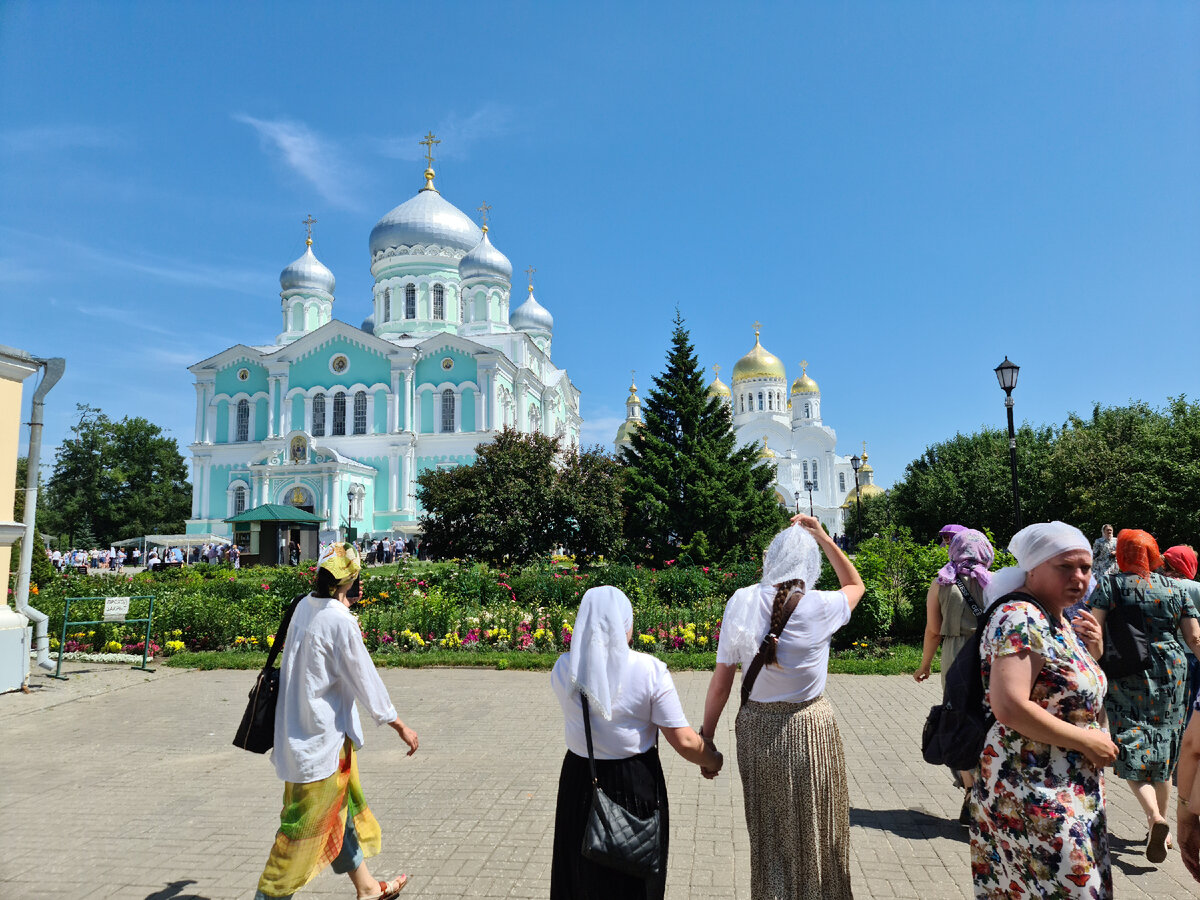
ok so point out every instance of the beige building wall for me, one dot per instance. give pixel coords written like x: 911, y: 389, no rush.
x: 15, y: 367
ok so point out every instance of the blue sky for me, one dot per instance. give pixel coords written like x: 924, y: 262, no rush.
x: 903, y: 193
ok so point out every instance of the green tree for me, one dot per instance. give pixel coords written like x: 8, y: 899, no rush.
x: 687, y: 477
x: 519, y: 499
x: 113, y: 480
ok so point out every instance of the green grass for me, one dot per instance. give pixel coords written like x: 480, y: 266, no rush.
x: 900, y: 659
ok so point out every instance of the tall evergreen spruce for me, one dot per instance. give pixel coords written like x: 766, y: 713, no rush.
x: 689, y: 487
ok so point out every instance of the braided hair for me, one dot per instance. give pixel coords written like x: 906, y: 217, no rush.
x: 783, y: 593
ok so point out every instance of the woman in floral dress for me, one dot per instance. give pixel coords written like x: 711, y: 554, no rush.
x: 1039, y: 826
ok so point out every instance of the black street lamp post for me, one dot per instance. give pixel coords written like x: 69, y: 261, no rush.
x: 1006, y: 374
x: 808, y: 486
x: 797, y: 502
x: 856, y: 464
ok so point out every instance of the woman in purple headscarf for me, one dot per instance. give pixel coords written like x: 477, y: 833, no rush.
x: 955, y: 598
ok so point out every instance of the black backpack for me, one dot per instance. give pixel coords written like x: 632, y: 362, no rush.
x: 956, y: 729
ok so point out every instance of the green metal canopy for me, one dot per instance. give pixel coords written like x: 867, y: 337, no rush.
x: 277, y: 512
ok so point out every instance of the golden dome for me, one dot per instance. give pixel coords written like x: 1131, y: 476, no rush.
x: 625, y: 432
x: 804, y: 384
x: 866, y: 466
x: 718, y: 388
x: 758, y: 363
x: 766, y: 452
x: 865, y: 491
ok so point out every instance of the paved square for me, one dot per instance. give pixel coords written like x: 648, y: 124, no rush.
x: 123, y: 784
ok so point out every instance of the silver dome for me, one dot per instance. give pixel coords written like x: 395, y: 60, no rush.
x: 368, y: 324
x: 531, y: 316
x: 307, y: 273
x: 425, y: 219
x: 485, y: 261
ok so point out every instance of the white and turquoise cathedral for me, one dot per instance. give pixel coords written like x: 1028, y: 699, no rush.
x: 341, y: 420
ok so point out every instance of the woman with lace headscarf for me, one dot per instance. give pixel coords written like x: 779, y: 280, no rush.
x: 1146, y: 709
x: 954, y: 596
x: 789, y: 749
x: 630, y: 699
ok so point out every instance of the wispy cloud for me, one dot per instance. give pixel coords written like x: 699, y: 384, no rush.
x: 50, y: 138
x: 125, y: 317
x: 14, y: 271
x: 457, y: 133
x: 314, y: 158
x: 600, y: 431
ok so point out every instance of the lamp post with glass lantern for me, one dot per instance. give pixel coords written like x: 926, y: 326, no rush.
x: 1006, y: 374
x: 797, y: 493
x: 856, y: 464
x: 808, y: 486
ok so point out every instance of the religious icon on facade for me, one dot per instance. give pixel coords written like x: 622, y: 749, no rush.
x: 299, y: 450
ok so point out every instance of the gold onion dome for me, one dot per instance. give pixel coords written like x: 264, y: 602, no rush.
x: 718, y: 388
x: 766, y: 452
x: 758, y: 363
x: 625, y: 432
x: 804, y: 384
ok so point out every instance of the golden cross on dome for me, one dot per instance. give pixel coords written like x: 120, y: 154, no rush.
x: 530, y: 272
x: 864, y: 449
x: 804, y: 367
x: 428, y: 143
x: 484, y: 209
x: 308, y: 224
x: 757, y: 325
x: 717, y: 369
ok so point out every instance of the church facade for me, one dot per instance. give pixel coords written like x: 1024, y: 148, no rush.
x: 341, y: 420
x: 791, y: 434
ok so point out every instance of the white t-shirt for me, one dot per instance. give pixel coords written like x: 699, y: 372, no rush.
x: 803, y: 651
x: 647, y: 700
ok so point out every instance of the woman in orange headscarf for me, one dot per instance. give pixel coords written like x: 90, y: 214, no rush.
x: 1146, y: 709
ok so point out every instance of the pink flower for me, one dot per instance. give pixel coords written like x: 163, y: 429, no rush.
x: 669, y: 562
x: 266, y: 587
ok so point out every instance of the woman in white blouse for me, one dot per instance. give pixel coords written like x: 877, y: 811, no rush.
x: 631, y: 699
x: 789, y: 750
x: 325, y: 669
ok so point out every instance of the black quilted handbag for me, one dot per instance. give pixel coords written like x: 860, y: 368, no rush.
x: 613, y: 836
x: 256, y: 732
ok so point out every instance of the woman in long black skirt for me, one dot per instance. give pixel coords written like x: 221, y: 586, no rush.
x: 631, y: 698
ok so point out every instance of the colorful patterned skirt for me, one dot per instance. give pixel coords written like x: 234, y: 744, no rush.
x: 793, y: 770
x: 312, y: 825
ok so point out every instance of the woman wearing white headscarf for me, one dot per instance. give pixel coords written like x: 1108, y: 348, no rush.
x: 631, y: 698
x: 1038, y: 820
x: 789, y: 749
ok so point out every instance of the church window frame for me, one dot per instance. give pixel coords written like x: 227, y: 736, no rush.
x: 410, y: 301
x: 243, y: 421
x: 841, y: 481
x: 239, y: 500
x: 386, y: 310
x: 741, y: 403
x: 771, y: 401
x: 808, y: 410
x: 448, y: 411
x: 360, y: 412
x: 439, y: 302
x: 760, y: 401
x: 339, y: 414
x: 804, y: 469
x: 318, y: 415
x: 816, y: 480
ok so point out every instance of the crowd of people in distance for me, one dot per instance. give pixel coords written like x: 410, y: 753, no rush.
x: 1035, y: 804
x: 112, y: 559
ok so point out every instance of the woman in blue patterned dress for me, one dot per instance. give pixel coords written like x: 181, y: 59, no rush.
x: 1039, y: 827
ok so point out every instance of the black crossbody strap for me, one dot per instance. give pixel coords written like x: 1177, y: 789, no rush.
x: 282, y: 632
x: 587, y: 730
x: 965, y: 590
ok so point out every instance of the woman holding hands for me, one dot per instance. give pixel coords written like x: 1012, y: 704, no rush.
x: 789, y: 749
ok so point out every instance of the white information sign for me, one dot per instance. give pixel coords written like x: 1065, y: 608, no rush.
x: 115, y: 609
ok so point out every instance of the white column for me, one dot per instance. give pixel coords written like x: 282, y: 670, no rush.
x: 370, y: 413
x: 285, y: 412
x: 394, y: 480
x: 271, y: 394
x: 197, y: 468
x: 205, y: 485
x: 251, y: 428
x: 329, y: 501
x: 416, y: 412
x: 329, y: 414
x: 210, y: 415
x: 458, y: 411
x: 410, y: 400
x: 308, y: 414
x: 393, y: 409
x: 199, y: 413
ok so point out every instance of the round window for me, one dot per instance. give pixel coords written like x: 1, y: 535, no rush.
x: 243, y: 374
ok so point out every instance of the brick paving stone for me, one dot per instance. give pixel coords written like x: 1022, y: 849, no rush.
x: 123, y: 784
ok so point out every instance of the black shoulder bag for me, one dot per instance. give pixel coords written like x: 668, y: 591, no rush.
x: 613, y: 836
x: 1126, y: 650
x: 257, y: 731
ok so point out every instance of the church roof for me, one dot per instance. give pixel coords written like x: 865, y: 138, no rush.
x: 425, y: 219
x: 758, y: 363
x: 531, y: 316
x: 485, y: 261
x: 276, y: 512
x: 307, y: 273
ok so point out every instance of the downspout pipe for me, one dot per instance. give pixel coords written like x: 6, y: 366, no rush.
x: 52, y: 371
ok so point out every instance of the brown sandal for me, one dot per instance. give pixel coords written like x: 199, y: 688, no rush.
x: 388, y: 890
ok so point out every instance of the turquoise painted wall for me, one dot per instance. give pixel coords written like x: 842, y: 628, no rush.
x: 227, y: 380
x: 297, y: 413
x: 260, y: 419
x: 218, y: 484
x: 426, y: 413
x: 468, y: 410
x: 430, y: 371
x: 366, y: 366
x: 222, y: 435
x: 380, y: 412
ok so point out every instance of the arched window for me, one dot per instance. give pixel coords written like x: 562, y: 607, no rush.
x: 243, y: 420
x: 741, y: 402
x: 410, y: 301
x: 360, y: 412
x: 760, y: 401
x: 535, y: 419
x: 462, y: 309
x: 447, y: 410
x: 439, y: 302
x: 816, y: 482
x: 770, y: 400
x: 339, y: 413
x: 808, y: 410
x: 804, y: 469
x: 239, y: 501
x: 318, y: 422
x: 387, y: 305
x: 841, y: 481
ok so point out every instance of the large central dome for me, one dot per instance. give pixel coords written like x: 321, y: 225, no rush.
x: 425, y: 219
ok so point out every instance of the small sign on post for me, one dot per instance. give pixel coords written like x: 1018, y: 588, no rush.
x: 115, y: 609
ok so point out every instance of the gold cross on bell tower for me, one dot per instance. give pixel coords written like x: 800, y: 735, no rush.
x: 308, y: 223
x: 428, y: 143
x: 530, y: 272
x: 804, y: 367
x: 717, y: 369
x: 484, y: 209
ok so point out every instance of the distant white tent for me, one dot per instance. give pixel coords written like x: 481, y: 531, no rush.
x: 185, y: 540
